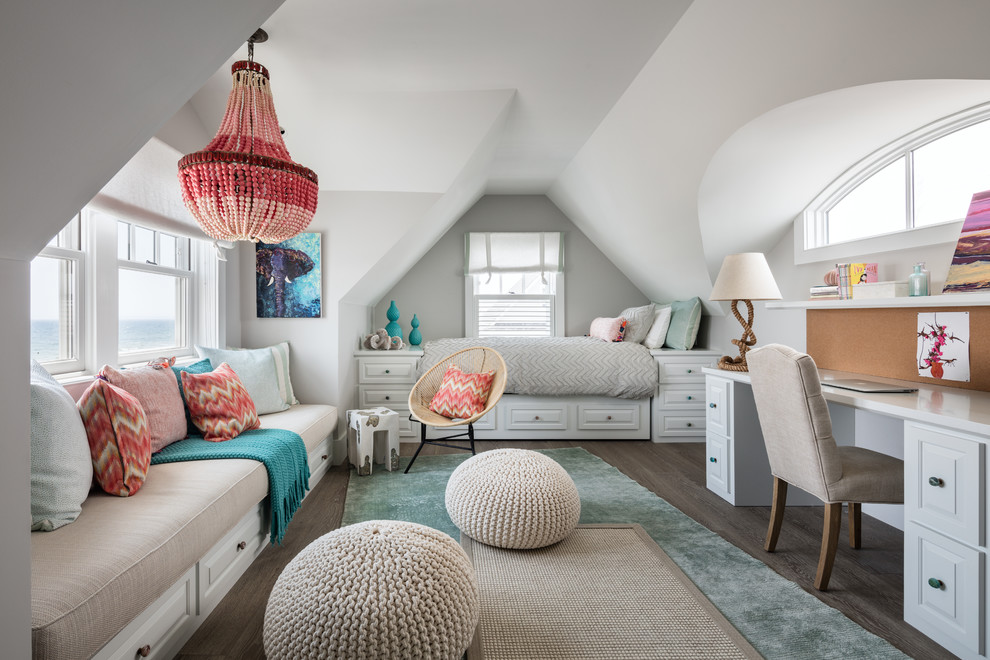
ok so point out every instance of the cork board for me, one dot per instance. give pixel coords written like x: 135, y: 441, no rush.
x: 884, y: 342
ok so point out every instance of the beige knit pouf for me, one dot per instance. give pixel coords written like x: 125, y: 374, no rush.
x: 513, y: 498
x: 377, y: 589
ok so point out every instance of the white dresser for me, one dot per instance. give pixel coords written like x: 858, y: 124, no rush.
x: 679, y: 405
x: 385, y: 379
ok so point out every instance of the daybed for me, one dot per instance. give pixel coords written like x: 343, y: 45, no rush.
x: 137, y: 575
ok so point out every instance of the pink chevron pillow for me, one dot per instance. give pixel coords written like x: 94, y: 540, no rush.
x: 462, y: 395
x: 119, y: 437
x: 158, y: 391
x: 219, y: 404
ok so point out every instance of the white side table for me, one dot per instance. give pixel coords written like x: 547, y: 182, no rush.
x: 373, y: 432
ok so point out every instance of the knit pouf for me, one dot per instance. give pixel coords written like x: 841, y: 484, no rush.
x: 513, y: 498
x: 377, y: 589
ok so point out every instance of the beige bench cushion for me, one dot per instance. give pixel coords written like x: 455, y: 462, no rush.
x: 90, y: 578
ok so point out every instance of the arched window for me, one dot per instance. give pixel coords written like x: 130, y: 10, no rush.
x: 926, y: 178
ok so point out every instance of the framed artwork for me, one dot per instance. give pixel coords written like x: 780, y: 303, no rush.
x: 970, y: 269
x: 289, y: 278
x: 943, y: 345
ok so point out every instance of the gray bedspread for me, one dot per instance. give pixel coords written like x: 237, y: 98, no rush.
x: 562, y: 366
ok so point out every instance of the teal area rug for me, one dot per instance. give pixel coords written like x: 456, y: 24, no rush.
x: 778, y: 618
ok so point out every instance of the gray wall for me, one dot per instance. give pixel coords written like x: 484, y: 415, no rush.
x: 433, y: 289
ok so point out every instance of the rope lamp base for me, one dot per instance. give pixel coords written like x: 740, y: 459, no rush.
x: 747, y: 341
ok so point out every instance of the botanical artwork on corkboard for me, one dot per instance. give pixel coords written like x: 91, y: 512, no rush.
x: 289, y: 278
x: 970, y: 269
x: 943, y: 345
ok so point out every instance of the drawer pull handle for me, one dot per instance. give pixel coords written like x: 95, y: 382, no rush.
x: 144, y: 651
x: 935, y: 583
x: 387, y: 371
x: 324, y: 457
x: 690, y: 371
x: 242, y: 545
x: 536, y: 418
x: 386, y: 397
x: 609, y: 417
x: 935, y: 481
x: 689, y: 397
x: 689, y: 424
x: 712, y: 460
x: 712, y: 405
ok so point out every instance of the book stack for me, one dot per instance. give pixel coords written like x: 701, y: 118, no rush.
x: 824, y: 292
x: 852, y: 274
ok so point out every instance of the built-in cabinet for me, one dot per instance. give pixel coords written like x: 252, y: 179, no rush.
x: 385, y: 378
x: 679, y: 404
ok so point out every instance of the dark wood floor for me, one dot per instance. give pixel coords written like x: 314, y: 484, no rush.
x: 866, y: 584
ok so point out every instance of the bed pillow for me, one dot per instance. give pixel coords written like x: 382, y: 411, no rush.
x: 638, y: 322
x: 609, y: 329
x: 280, y: 353
x: 256, y: 370
x: 119, y: 438
x: 202, y: 367
x: 61, y: 468
x: 462, y: 395
x: 155, y: 388
x: 658, y: 331
x: 219, y: 403
x: 685, y: 318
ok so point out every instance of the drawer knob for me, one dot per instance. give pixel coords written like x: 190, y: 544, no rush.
x: 689, y: 424
x: 712, y: 460
x: 935, y: 481
x: 386, y: 397
x: 324, y: 457
x: 536, y: 417
x: 387, y: 371
x: 689, y: 397
x: 712, y: 405
x: 690, y: 371
x: 241, y: 545
x: 935, y: 583
x: 144, y: 651
x: 608, y: 417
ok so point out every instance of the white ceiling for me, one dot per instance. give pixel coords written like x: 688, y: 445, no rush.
x: 393, y: 95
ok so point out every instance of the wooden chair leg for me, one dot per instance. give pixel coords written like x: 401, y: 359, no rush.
x: 855, y: 525
x: 776, y: 513
x: 830, y: 542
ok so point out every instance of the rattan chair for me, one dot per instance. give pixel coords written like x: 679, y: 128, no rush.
x: 470, y: 360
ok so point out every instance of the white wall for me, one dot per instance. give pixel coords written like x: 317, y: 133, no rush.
x: 433, y: 289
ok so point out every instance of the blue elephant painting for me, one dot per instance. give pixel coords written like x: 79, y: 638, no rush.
x: 289, y: 278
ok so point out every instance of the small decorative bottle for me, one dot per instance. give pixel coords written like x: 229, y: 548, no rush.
x: 393, y: 329
x: 415, y: 336
x: 917, y: 282
x: 928, y: 277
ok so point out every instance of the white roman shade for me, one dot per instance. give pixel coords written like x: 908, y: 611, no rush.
x: 486, y: 253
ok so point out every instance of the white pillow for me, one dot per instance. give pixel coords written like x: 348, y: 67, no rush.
x: 638, y: 320
x: 256, y: 369
x: 658, y: 331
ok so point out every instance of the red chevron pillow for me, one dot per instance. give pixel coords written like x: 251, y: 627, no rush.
x: 218, y: 403
x: 119, y: 437
x: 462, y: 395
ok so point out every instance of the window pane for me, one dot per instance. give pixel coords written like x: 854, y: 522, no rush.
x: 52, y: 305
x: 123, y: 240
x: 148, y: 311
x: 166, y: 251
x: 515, y: 316
x: 876, y: 206
x: 948, y: 171
x: 144, y: 245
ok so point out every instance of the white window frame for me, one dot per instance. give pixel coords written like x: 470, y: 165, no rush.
x: 72, y: 326
x: 810, y: 228
x: 471, y: 304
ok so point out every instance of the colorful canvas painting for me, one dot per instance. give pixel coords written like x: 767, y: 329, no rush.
x: 289, y: 278
x: 943, y: 345
x: 970, y: 269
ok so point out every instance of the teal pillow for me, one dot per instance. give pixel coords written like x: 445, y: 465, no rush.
x: 256, y: 369
x: 201, y: 367
x: 685, y: 318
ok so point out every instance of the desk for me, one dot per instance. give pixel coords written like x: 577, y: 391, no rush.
x: 943, y: 433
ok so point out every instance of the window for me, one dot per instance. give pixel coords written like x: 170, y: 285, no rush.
x: 923, y: 180
x: 514, y: 284
x: 56, y: 302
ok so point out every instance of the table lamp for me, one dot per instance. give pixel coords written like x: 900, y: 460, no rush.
x: 743, y: 277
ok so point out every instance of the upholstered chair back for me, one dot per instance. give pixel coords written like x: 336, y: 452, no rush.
x: 796, y: 425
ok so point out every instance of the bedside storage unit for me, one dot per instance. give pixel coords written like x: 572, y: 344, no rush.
x: 385, y: 378
x: 679, y: 405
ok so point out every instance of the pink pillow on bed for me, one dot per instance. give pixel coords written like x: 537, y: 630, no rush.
x: 608, y: 329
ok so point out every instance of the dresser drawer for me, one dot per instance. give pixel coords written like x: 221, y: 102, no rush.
x: 944, y: 482
x: 718, y: 471
x: 680, y: 397
x: 718, y: 401
x: 683, y: 369
x: 386, y: 370
x: 942, y: 588
x: 389, y: 397
x: 680, y: 423
x: 609, y: 417
x: 219, y: 569
x: 530, y: 418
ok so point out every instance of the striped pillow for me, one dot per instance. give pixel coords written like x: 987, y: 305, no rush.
x: 280, y: 352
x: 119, y: 437
x: 218, y: 403
x: 462, y: 395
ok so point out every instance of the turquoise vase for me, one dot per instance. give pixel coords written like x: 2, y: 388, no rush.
x: 415, y: 336
x: 393, y: 329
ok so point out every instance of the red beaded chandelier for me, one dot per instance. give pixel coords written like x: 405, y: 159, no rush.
x: 244, y: 186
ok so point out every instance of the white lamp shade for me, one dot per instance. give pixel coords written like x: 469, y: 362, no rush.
x: 745, y: 276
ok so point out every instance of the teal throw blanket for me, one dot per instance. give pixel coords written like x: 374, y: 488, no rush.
x: 283, y: 453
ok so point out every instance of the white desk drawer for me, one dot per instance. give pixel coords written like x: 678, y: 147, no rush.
x: 383, y: 396
x: 942, y: 588
x: 718, y: 402
x: 681, y: 423
x: 679, y: 397
x: 718, y: 471
x: 944, y: 482
x: 386, y: 370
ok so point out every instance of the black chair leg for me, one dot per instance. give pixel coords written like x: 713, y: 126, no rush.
x: 471, y: 437
x: 422, y: 443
